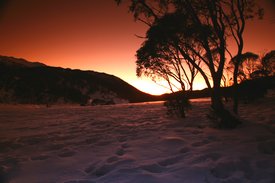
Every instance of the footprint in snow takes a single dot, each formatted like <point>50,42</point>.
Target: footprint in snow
<point>92,140</point>
<point>120,152</point>
<point>40,157</point>
<point>195,132</point>
<point>153,168</point>
<point>170,161</point>
<point>125,145</point>
<point>91,168</point>
<point>210,156</point>
<point>184,150</point>
<point>122,138</point>
<point>66,153</point>
<point>267,147</point>
<point>200,143</point>
<point>224,170</point>
<point>263,164</point>
<point>80,181</point>
<point>173,141</point>
<point>103,143</point>
<point>55,146</point>
<point>112,159</point>
<point>106,168</point>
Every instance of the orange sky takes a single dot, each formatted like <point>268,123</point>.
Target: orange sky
<point>94,35</point>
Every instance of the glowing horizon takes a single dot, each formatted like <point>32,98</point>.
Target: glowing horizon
<point>95,35</point>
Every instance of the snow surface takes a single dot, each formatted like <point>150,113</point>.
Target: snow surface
<point>135,143</point>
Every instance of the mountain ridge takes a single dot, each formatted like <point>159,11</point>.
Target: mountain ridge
<point>23,81</point>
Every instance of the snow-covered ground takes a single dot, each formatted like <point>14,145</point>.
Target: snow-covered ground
<point>135,143</point>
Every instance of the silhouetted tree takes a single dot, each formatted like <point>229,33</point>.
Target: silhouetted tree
<point>159,57</point>
<point>266,66</point>
<point>200,28</point>
<point>268,63</point>
<point>249,63</point>
<point>240,11</point>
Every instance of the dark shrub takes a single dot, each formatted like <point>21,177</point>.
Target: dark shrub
<point>177,106</point>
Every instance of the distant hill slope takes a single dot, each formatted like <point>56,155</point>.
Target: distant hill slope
<point>22,81</point>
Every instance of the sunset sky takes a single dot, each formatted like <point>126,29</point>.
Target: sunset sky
<point>95,35</point>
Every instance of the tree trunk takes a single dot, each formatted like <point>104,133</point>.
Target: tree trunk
<point>224,118</point>
<point>235,89</point>
<point>216,99</point>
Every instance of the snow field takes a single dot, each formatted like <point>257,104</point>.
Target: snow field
<point>134,143</point>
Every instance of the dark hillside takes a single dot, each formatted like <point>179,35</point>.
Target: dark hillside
<point>33,82</point>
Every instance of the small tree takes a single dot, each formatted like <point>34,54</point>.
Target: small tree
<point>268,63</point>
<point>248,63</point>
<point>266,66</point>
